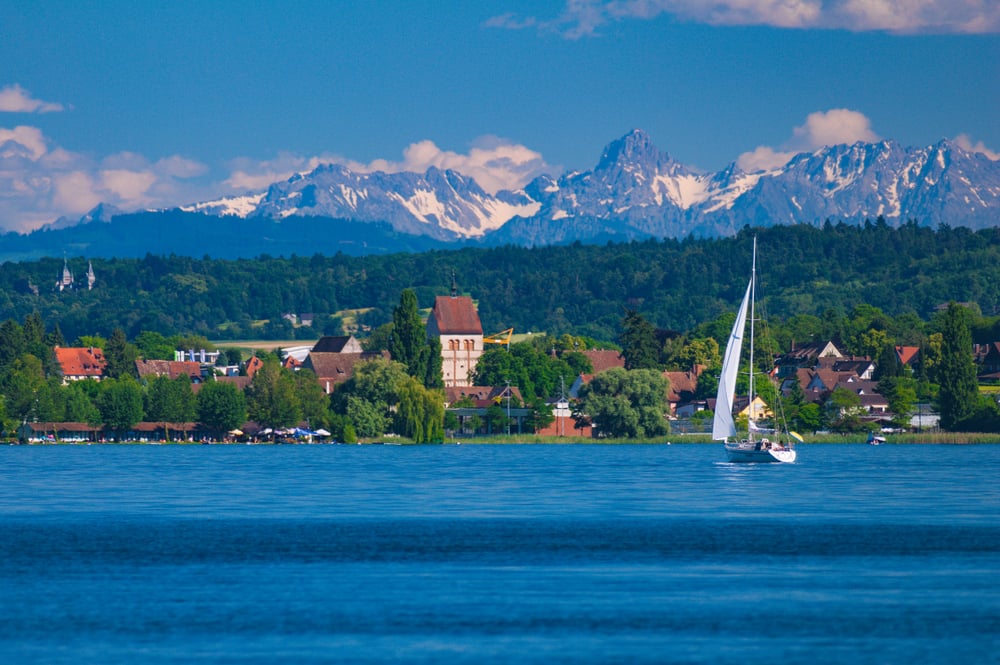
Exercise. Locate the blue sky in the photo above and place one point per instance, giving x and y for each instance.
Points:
(161, 104)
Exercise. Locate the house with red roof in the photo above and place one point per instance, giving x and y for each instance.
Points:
(79, 363)
(170, 369)
(602, 359)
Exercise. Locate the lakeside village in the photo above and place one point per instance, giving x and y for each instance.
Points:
(337, 390)
(816, 371)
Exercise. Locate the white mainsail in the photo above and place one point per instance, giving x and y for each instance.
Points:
(724, 426)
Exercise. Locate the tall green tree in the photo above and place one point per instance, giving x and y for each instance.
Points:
(80, 407)
(368, 397)
(271, 397)
(314, 402)
(120, 404)
(22, 384)
(221, 407)
(171, 401)
(120, 356)
(887, 365)
(638, 340)
(433, 373)
(409, 337)
(408, 343)
(624, 403)
(958, 397)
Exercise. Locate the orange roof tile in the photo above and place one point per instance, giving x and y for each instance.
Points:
(456, 315)
(81, 361)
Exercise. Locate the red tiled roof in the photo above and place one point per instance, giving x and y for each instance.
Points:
(253, 365)
(169, 368)
(456, 315)
(77, 361)
(907, 353)
(602, 360)
(682, 385)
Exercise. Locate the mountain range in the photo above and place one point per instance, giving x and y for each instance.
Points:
(635, 191)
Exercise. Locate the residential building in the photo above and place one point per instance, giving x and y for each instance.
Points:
(170, 369)
(78, 363)
(332, 360)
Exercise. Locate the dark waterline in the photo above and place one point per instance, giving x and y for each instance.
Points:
(224, 554)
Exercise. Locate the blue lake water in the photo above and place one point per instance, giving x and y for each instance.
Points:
(521, 554)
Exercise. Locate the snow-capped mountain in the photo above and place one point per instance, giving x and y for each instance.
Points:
(442, 204)
(634, 191)
(637, 190)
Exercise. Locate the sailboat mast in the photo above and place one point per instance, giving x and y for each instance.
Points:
(753, 302)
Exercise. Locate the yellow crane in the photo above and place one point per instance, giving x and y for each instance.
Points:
(500, 337)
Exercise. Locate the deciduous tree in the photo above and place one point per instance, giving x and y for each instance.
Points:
(221, 407)
(624, 403)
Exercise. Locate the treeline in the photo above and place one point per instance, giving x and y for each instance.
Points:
(580, 289)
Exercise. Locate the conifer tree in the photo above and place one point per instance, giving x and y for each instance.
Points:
(956, 372)
(638, 340)
(408, 334)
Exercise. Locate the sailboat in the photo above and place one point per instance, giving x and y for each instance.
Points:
(756, 447)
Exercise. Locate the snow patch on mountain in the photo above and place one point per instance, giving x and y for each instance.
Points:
(637, 190)
(239, 206)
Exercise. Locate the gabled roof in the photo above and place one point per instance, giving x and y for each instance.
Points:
(81, 361)
(907, 353)
(602, 359)
(337, 344)
(169, 368)
(683, 386)
(334, 368)
(802, 352)
(253, 364)
(455, 315)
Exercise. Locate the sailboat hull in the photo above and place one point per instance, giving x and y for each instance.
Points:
(749, 451)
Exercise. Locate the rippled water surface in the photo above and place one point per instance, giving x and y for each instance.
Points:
(469, 554)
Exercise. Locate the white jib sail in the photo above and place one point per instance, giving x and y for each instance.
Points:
(724, 426)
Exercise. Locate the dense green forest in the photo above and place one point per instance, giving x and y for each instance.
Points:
(825, 272)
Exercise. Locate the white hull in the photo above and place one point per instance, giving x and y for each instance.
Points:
(749, 451)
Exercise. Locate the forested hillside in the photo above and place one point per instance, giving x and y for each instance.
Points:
(675, 284)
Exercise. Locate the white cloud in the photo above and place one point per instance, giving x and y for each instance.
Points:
(763, 158)
(965, 141)
(15, 99)
(40, 183)
(585, 18)
(247, 174)
(22, 141)
(822, 128)
(494, 163)
(74, 192)
(129, 187)
(832, 127)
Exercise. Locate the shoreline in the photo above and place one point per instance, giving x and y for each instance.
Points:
(949, 438)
